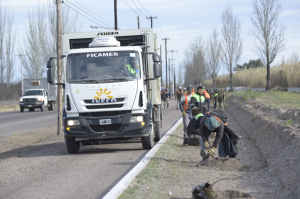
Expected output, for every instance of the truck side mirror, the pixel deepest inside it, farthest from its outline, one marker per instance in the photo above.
(50, 78)
(50, 63)
(156, 70)
(156, 58)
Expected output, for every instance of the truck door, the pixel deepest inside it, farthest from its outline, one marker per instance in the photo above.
(45, 98)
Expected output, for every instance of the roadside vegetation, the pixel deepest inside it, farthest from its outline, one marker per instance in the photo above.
(11, 105)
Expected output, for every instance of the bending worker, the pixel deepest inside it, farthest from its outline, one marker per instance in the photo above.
(185, 107)
(209, 124)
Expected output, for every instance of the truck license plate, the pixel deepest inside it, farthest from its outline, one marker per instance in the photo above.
(105, 121)
(29, 105)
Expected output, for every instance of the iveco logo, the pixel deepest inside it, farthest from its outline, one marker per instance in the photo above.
(102, 101)
(107, 33)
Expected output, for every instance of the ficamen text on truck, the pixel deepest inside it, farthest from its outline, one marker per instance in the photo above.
(112, 87)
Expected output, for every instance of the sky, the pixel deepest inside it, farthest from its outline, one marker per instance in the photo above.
(180, 21)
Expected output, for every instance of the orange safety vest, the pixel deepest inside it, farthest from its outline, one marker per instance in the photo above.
(186, 103)
(206, 94)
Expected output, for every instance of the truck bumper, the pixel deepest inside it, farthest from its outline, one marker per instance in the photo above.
(31, 105)
(120, 127)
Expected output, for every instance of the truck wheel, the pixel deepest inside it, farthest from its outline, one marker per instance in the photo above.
(42, 108)
(148, 142)
(157, 131)
(72, 145)
(51, 106)
(21, 109)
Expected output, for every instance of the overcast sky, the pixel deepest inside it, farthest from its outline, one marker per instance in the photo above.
(181, 21)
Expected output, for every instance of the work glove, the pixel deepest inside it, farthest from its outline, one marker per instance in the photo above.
(211, 151)
(206, 145)
(183, 114)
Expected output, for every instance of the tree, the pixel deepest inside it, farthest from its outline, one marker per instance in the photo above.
(251, 64)
(2, 44)
(214, 55)
(232, 48)
(268, 33)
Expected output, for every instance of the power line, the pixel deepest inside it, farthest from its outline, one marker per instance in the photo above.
(138, 9)
(144, 8)
(132, 9)
(160, 28)
(86, 13)
(85, 16)
(94, 13)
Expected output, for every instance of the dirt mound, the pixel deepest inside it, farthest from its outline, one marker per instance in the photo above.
(231, 194)
(230, 164)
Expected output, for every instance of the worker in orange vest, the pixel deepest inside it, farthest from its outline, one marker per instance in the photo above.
(178, 96)
(185, 107)
(207, 98)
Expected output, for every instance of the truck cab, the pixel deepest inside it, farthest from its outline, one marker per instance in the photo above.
(109, 92)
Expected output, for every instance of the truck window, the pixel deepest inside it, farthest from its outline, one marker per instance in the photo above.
(103, 66)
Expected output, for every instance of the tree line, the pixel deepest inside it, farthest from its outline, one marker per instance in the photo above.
(203, 58)
(38, 44)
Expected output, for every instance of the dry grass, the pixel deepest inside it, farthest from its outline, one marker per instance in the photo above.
(12, 105)
(287, 75)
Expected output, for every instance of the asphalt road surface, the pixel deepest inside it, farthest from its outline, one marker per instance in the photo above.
(51, 172)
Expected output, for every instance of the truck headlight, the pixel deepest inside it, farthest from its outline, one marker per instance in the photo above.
(40, 100)
(21, 100)
(137, 119)
(73, 123)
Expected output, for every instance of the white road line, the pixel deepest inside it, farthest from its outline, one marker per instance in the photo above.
(123, 184)
(25, 121)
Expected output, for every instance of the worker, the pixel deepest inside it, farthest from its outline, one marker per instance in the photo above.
(185, 108)
(198, 99)
(207, 98)
(168, 96)
(184, 90)
(221, 97)
(193, 127)
(164, 98)
(215, 98)
(178, 96)
(209, 124)
(131, 67)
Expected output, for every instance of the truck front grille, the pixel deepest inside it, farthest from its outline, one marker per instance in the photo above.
(104, 113)
(30, 100)
(105, 128)
(105, 106)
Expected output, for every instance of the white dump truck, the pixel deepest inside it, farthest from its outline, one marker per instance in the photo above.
(112, 87)
(38, 93)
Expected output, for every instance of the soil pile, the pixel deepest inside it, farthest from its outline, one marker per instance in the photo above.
(230, 164)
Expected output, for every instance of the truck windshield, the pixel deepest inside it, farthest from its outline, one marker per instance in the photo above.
(103, 67)
(33, 92)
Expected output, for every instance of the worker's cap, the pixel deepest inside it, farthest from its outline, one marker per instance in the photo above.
(203, 87)
(189, 89)
(211, 123)
(184, 88)
(179, 87)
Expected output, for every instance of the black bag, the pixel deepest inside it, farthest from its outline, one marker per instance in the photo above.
(219, 114)
(229, 141)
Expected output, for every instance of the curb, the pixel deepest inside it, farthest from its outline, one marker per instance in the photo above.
(123, 184)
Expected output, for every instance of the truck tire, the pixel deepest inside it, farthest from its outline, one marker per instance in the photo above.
(157, 131)
(72, 145)
(148, 142)
(21, 109)
(42, 108)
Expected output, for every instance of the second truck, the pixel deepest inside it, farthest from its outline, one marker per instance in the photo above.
(112, 87)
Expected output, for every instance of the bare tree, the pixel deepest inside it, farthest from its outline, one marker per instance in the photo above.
(2, 43)
(35, 42)
(233, 45)
(180, 76)
(10, 57)
(214, 55)
(268, 33)
(199, 67)
(294, 58)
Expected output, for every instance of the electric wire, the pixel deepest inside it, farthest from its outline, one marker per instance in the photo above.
(94, 14)
(139, 9)
(144, 8)
(131, 8)
(87, 14)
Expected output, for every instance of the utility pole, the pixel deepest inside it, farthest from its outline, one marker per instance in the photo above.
(116, 19)
(151, 18)
(172, 51)
(169, 77)
(161, 79)
(138, 20)
(21, 57)
(166, 60)
(59, 80)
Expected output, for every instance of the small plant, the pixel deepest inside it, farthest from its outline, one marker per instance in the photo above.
(289, 122)
(280, 115)
(254, 118)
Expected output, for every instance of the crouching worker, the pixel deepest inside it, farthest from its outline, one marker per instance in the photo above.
(209, 124)
(193, 127)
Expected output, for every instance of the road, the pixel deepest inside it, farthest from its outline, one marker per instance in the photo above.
(15, 121)
(51, 172)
